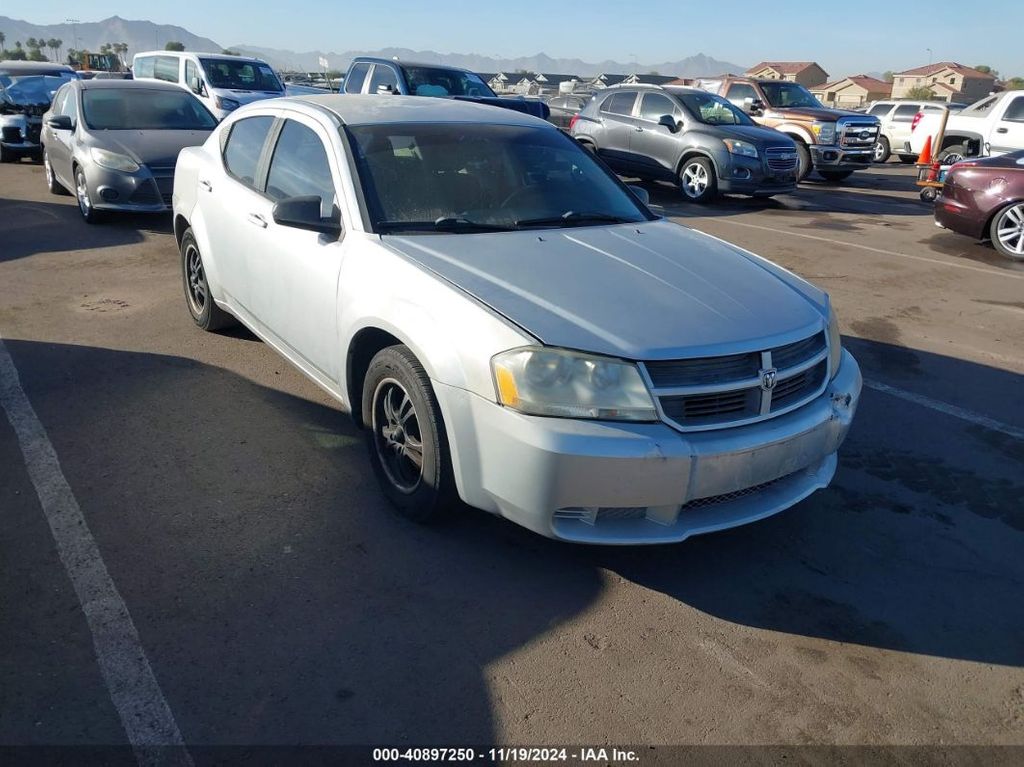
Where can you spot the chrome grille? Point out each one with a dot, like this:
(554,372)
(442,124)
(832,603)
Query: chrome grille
(780,158)
(712,392)
(858,135)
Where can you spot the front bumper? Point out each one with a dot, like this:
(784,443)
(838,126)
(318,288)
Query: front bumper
(139,192)
(834,157)
(20,135)
(620,483)
(748,175)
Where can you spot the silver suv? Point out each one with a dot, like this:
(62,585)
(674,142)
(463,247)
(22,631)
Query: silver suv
(897,120)
(695,139)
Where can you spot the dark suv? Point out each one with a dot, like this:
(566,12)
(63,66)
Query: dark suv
(693,138)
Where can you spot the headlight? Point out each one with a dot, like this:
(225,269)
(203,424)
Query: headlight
(824,133)
(835,343)
(568,384)
(741,148)
(112,160)
(226,104)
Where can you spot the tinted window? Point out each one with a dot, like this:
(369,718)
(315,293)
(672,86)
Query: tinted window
(299,167)
(1015,111)
(879,110)
(355,78)
(143,109)
(438,81)
(783,95)
(426,177)
(905,113)
(244,146)
(144,67)
(655,105)
(383,76)
(740,91)
(619,104)
(241,74)
(166,68)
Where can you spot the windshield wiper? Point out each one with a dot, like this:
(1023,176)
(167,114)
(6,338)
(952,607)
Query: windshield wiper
(443,224)
(572,218)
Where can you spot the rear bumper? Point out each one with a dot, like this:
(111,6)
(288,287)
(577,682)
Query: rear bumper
(618,483)
(958,218)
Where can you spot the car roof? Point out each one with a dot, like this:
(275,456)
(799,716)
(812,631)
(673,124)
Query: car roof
(402,63)
(33,67)
(227,56)
(372,109)
(149,85)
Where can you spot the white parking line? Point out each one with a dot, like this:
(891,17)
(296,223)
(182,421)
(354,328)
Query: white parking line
(144,713)
(994,272)
(943,407)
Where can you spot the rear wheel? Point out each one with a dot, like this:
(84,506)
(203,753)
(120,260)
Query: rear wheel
(953,154)
(1007,231)
(803,161)
(697,180)
(201,305)
(406,436)
(51,180)
(881,150)
(835,175)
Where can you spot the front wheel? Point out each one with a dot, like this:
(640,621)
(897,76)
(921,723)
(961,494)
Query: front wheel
(89,213)
(881,150)
(201,305)
(835,175)
(1007,231)
(406,436)
(803,161)
(697,180)
(51,180)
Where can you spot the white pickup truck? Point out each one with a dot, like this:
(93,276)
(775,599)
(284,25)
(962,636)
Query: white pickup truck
(992,126)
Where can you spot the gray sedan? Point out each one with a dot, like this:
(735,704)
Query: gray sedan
(115,143)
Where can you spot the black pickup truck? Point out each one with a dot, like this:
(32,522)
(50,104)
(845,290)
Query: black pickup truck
(384,76)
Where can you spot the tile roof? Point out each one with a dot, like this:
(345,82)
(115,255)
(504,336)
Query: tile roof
(784,67)
(932,68)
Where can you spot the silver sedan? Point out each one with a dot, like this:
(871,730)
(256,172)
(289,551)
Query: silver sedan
(509,323)
(114,143)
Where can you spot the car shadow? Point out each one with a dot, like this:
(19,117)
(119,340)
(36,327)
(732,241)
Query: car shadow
(31,228)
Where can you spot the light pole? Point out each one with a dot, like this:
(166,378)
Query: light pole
(929,55)
(74,29)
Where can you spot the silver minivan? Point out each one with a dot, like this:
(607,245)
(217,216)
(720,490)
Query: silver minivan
(222,82)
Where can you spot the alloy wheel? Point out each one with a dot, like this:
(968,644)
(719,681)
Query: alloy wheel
(879,152)
(1010,229)
(47,170)
(695,179)
(82,192)
(397,436)
(197,290)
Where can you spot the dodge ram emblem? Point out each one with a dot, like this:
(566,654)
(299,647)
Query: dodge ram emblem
(768,379)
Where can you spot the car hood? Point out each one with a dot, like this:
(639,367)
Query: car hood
(812,113)
(158,148)
(247,97)
(754,134)
(11,107)
(639,291)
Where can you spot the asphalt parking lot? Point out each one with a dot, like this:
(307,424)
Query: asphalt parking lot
(278,600)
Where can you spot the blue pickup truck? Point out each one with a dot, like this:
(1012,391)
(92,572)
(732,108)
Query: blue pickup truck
(384,76)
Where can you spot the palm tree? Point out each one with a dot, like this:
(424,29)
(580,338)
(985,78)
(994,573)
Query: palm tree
(54,45)
(121,49)
(3,39)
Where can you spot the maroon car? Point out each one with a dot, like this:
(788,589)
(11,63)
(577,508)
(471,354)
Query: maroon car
(984,199)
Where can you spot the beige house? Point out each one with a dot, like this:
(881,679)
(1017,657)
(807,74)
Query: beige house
(852,91)
(807,73)
(947,80)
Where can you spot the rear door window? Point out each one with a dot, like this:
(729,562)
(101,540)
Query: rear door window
(244,147)
(166,68)
(905,113)
(355,78)
(619,104)
(880,110)
(1015,111)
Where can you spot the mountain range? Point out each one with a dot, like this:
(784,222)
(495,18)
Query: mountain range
(145,35)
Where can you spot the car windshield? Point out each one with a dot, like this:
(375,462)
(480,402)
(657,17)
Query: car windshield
(713,110)
(32,89)
(470,177)
(438,81)
(241,75)
(783,95)
(141,109)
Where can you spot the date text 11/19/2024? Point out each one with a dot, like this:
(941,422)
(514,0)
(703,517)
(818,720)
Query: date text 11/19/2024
(507,754)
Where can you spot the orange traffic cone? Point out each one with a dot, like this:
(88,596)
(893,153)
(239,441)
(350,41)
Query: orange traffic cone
(925,158)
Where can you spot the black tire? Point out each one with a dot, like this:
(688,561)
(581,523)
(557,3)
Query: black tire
(928,194)
(697,180)
(1009,220)
(51,180)
(908,159)
(882,151)
(803,161)
(198,299)
(401,417)
(953,154)
(89,213)
(835,176)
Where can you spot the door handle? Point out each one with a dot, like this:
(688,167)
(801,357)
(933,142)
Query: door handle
(1002,130)
(639,129)
(206,185)
(257,220)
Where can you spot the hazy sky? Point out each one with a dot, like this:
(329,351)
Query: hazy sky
(894,35)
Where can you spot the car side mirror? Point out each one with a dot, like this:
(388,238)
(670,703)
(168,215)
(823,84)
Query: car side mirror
(668,121)
(61,122)
(385,90)
(640,193)
(753,106)
(196,85)
(304,213)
